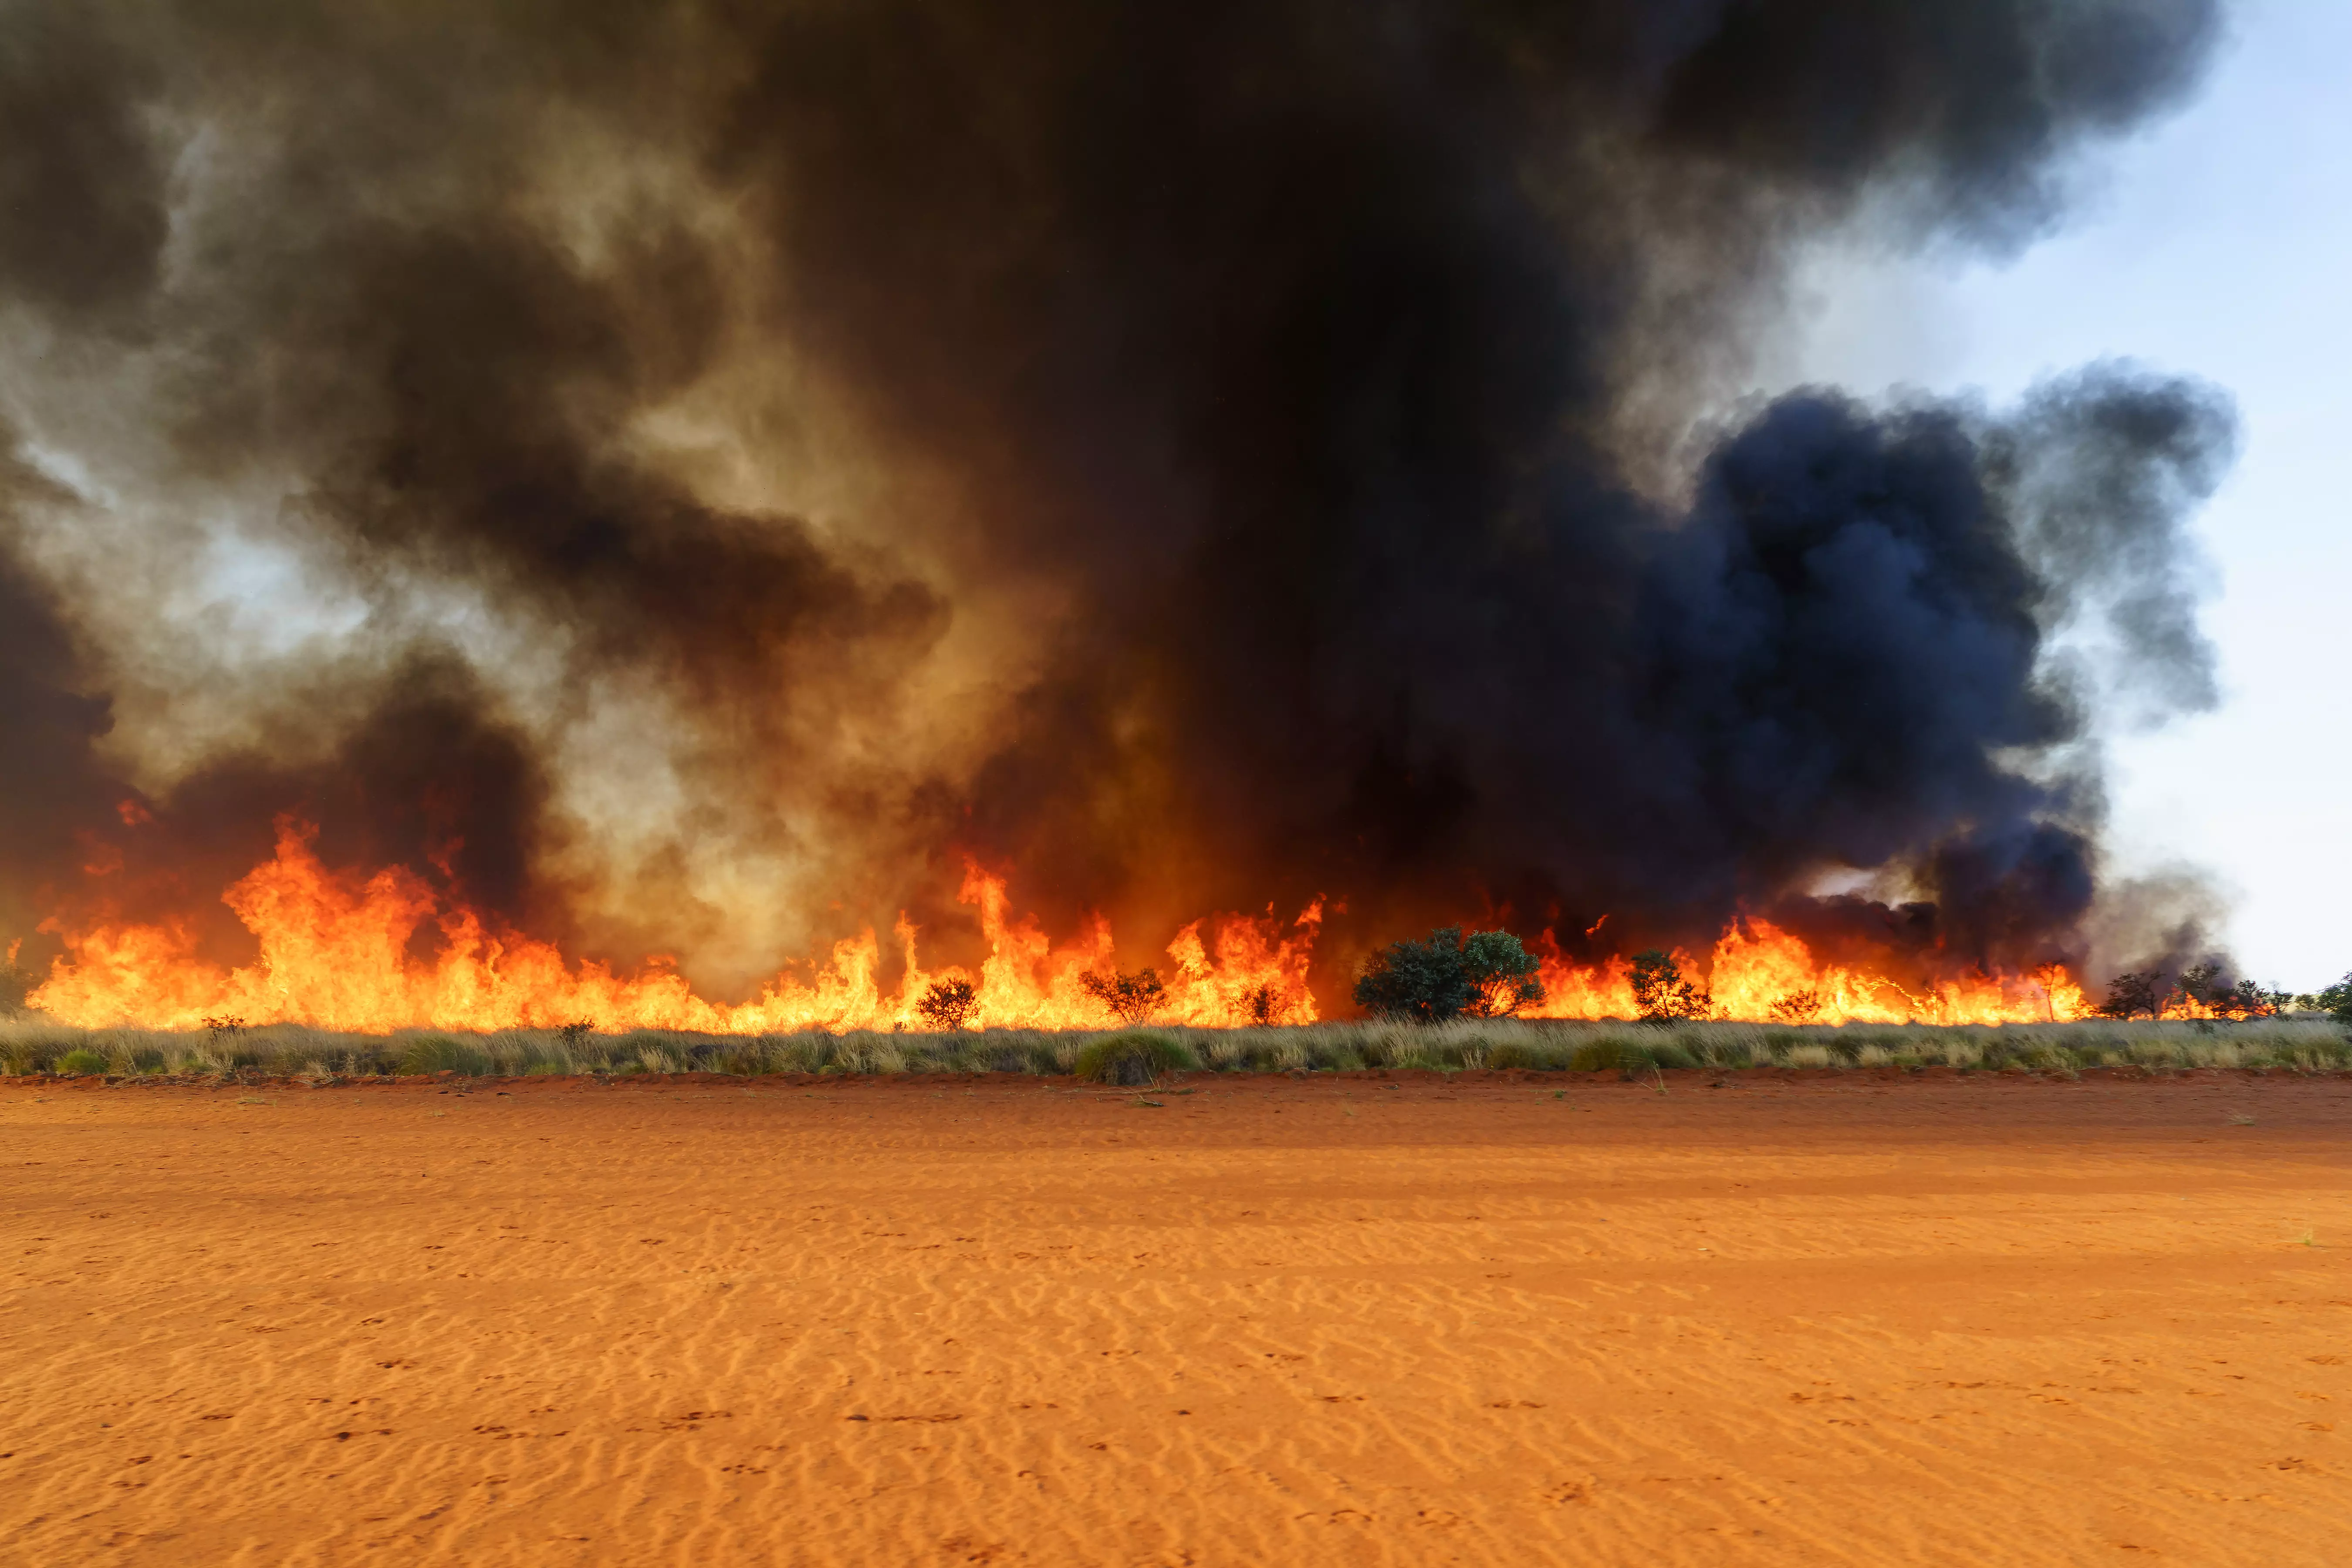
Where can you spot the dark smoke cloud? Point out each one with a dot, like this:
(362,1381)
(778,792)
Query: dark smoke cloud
(53,790)
(1195,455)
(82,201)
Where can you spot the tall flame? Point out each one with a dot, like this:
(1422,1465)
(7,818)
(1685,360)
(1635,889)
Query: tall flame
(335,952)
(335,955)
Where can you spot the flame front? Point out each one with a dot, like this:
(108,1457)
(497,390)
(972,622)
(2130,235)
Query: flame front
(1761,974)
(335,953)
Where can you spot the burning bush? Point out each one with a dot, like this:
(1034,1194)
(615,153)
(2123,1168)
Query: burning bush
(1485,974)
(1132,997)
(1135,1058)
(1663,996)
(948,1003)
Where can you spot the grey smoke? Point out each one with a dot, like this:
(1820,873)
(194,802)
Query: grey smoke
(759,454)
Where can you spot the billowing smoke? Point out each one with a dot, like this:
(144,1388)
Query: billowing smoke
(684,475)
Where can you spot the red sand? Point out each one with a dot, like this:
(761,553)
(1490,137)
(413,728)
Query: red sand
(1840,1321)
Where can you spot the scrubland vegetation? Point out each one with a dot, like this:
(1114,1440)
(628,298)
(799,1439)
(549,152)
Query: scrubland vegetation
(1136,1056)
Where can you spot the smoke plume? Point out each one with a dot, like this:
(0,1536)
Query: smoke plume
(684,476)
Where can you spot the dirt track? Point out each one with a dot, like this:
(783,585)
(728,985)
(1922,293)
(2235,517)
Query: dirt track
(1953,1321)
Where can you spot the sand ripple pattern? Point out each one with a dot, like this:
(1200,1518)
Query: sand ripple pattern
(1270,1321)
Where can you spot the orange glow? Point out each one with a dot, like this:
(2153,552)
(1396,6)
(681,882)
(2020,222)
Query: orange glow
(334,954)
(1760,973)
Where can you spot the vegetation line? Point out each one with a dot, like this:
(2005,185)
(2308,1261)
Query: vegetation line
(1137,1057)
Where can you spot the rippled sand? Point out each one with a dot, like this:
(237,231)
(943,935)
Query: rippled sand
(1272,1322)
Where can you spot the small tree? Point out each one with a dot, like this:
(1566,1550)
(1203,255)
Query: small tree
(1134,997)
(1263,1003)
(1798,1007)
(946,1004)
(1485,974)
(2129,996)
(1416,982)
(1661,992)
(2336,1001)
(1501,974)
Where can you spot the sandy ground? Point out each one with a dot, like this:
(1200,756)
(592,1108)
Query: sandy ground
(1270,1321)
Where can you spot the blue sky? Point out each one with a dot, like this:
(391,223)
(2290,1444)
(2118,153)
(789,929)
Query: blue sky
(2219,244)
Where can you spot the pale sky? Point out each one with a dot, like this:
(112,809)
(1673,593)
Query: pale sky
(2220,245)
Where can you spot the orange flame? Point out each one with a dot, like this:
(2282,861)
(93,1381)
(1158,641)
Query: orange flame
(335,955)
(1761,974)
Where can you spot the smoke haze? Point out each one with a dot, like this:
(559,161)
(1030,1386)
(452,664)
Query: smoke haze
(681,476)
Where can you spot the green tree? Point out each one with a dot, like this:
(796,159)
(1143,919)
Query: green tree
(1485,974)
(1500,973)
(2336,1001)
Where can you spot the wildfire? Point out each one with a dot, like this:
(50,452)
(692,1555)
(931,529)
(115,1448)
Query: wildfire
(335,952)
(1759,973)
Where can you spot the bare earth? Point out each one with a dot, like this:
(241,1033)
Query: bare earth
(1837,1320)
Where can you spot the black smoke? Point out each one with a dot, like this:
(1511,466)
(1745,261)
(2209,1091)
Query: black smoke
(1194,454)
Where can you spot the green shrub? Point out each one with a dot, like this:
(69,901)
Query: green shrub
(1485,974)
(440,1053)
(81,1061)
(1135,1056)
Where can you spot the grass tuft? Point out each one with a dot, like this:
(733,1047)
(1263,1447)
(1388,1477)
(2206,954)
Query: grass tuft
(442,1053)
(1134,1058)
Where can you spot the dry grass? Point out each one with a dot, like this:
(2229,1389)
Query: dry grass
(29,1045)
